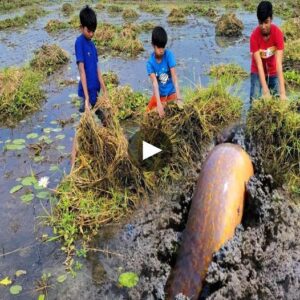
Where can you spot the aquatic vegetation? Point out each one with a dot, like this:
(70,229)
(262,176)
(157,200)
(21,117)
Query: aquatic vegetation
(274,128)
(74,22)
(49,58)
(114,9)
(99,6)
(290,29)
(230,4)
(292,56)
(129,14)
(20,94)
(127,47)
(151,8)
(19,21)
(193,9)
(111,79)
(230,71)
(146,26)
(6,5)
(67,9)
(55,25)
(292,77)
(229,25)
(176,16)
(249,5)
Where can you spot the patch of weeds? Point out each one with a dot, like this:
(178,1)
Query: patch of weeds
(292,77)
(249,5)
(151,8)
(232,72)
(74,22)
(49,58)
(67,9)
(111,79)
(230,4)
(100,6)
(19,21)
(176,16)
(129,14)
(55,25)
(20,94)
(229,25)
(6,5)
(114,9)
(292,56)
(274,127)
(193,9)
(147,26)
(291,28)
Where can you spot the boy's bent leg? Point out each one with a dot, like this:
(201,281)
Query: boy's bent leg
(82,105)
(255,87)
(273,86)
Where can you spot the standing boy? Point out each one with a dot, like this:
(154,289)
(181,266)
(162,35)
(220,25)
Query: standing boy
(91,80)
(161,69)
(266,47)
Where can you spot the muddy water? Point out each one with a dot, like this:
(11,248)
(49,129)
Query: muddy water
(152,230)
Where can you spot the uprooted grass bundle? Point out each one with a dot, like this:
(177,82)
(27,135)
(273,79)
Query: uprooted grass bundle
(56,25)
(49,58)
(130,14)
(20,94)
(274,127)
(176,16)
(231,71)
(192,128)
(151,8)
(67,9)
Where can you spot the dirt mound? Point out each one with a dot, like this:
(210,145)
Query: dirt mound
(229,25)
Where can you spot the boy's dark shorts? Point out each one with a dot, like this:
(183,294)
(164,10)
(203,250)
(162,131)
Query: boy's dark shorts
(99,113)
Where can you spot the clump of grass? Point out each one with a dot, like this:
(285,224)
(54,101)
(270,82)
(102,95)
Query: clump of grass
(67,9)
(274,127)
(291,28)
(147,26)
(19,21)
(114,9)
(249,5)
(151,8)
(74,22)
(292,55)
(55,25)
(292,77)
(193,9)
(100,6)
(111,79)
(230,71)
(20,94)
(129,104)
(229,25)
(130,14)
(230,4)
(6,5)
(120,40)
(176,16)
(49,58)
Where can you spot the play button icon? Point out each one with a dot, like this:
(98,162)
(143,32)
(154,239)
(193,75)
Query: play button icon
(150,149)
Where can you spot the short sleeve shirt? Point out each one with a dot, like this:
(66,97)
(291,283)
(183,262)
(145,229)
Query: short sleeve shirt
(162,72)
(267,49)
(86,52)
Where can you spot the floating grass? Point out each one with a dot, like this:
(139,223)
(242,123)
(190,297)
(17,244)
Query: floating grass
(49,58)
(274,128)
(19,21)
(114,9)
(229,25)
(20,94)
(67,9)
(111,79)
(55,26)
(151,8)
(6,5)
(176,16)
(232,72)
(130,14)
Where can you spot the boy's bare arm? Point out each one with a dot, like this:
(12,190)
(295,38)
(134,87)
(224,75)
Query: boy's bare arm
(84,85)
(175,82)
(261,74)
(102,84)
(279,56)
(160,108)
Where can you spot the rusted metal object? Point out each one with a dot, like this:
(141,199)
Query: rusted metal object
(216,210)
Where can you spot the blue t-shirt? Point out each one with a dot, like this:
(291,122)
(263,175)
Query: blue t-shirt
(162,72)
(86,52)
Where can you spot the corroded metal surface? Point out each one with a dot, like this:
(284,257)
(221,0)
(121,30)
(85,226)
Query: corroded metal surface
(216,210)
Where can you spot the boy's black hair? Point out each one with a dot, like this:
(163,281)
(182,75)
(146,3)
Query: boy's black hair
(88,18)
(264,11)
(159,37)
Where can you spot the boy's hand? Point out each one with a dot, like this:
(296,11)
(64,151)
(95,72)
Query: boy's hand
(283,97)
(179,102)
(160,110)
(87,105)
(266,94)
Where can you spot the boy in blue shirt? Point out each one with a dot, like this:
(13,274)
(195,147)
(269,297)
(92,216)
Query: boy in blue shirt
(91,80)
(161,69)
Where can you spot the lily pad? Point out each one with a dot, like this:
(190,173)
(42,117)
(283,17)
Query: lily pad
(20,273)
(37,187)
(15,289)
(38,158)
(60,147)
(32,135)
(30,180)
(14,147)
(61,278)
(5,281)
(15,188)
(27,198)
(56,129)
(54,122)
(60,136)
(47,130)
(19,141)
(128,279)
(54,168)
(43,195)
(41,297)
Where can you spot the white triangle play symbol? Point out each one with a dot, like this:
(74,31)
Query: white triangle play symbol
(149,150)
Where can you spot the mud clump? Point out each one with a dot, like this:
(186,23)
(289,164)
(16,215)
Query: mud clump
(262,260)
(229,25)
